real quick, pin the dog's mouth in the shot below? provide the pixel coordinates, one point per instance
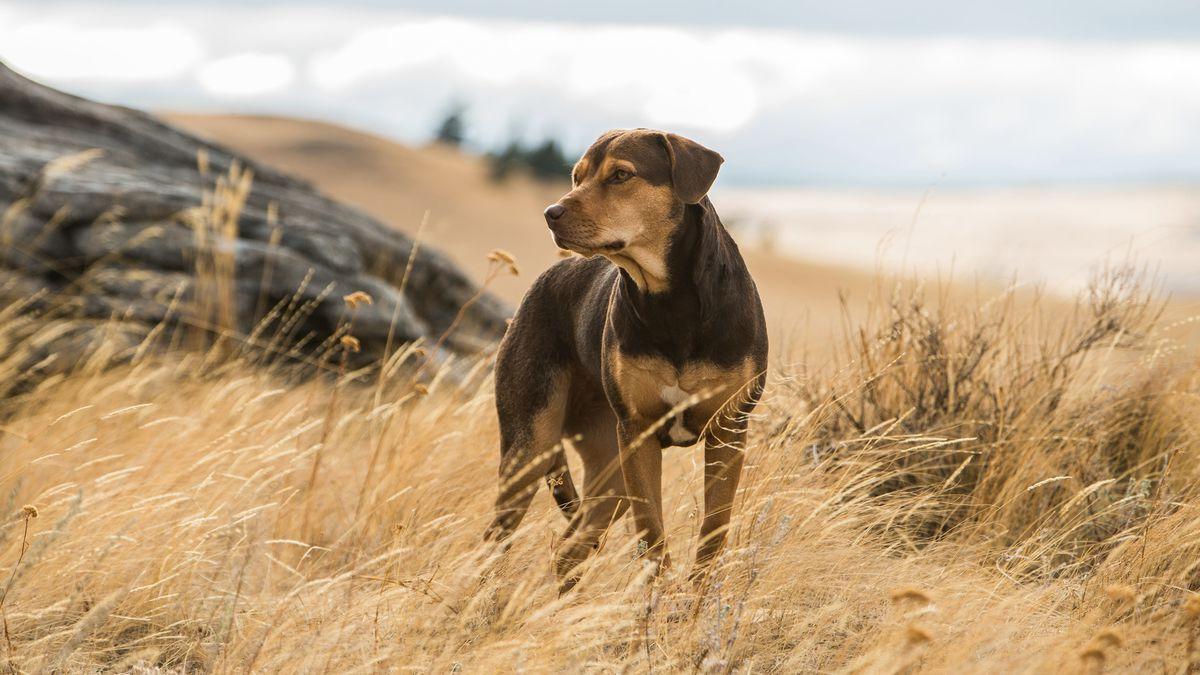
(588, 249)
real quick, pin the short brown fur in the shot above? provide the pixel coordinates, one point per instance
(654, 338)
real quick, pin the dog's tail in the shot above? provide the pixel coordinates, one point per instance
(561, 485)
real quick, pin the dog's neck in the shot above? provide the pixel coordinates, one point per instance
(655, 269)
(707, 297)
(647, 268)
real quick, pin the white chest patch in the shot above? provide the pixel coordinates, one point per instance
(672, 395)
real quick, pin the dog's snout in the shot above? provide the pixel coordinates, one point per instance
(554, 212)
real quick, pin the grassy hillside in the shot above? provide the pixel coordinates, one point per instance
(967, 488)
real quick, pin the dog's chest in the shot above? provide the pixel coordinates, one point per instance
(680, 401)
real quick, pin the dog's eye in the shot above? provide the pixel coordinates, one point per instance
(620, 176)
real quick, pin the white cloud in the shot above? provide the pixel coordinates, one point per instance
(667, 75)
(722, 80)
(782, 105)
(469, 48)
(247, 74)
(66, 50)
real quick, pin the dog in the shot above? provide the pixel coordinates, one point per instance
(652, 337)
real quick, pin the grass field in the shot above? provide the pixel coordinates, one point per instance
(963, 481)
(966, 487)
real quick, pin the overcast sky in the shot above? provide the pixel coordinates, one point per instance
(913, 93)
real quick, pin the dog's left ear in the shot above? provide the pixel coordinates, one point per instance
(693, 167)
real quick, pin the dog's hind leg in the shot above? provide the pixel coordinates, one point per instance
(531, 429)
(603, 497)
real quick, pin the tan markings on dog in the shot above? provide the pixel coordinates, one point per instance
(533, 456)
(580, 171)
(533, 453)
(635, 213)
(641, 219)
(652, 387)
(547, 423)
(605, 169)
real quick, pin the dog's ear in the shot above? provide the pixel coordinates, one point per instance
(693, 167)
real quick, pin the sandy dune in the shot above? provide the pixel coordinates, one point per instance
(470, 215)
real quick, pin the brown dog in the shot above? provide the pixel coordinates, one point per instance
(655, 339)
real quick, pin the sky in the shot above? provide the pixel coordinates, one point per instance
(862, 93)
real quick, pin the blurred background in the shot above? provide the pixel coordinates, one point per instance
(973, 140)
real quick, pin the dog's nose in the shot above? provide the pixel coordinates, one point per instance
(554, 212)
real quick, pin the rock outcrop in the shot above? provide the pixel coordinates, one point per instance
(113, 223)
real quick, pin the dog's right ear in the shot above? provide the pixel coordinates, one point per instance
(693, 167)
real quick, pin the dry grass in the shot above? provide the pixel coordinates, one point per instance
(1007, 526)
(965, 488)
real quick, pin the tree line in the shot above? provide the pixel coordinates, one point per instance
(543, 160)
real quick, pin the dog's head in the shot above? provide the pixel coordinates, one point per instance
(628, 194)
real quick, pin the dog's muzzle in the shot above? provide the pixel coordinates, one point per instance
(553, 213)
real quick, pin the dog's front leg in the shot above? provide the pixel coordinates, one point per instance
(641, 467)
(724, 453)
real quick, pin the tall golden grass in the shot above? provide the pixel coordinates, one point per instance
(983, 487)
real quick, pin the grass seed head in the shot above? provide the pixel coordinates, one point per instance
(1191, 606)
(1122, 593)
(915, 635)
(506, 259)
(910, 594)
(351, 344)
(1092, 654)
(1096, 651)
(357, 298)
(1109, 638)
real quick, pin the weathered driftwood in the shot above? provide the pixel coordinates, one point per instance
(109, 215)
